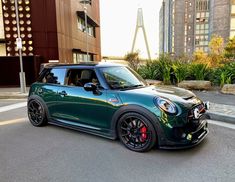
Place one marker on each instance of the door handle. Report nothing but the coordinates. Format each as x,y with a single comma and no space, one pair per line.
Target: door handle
62,93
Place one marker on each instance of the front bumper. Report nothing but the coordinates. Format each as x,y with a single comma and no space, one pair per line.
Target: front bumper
192,137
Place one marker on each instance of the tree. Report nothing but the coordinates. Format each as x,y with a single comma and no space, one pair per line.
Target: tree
230,49
133,59
200,57
216,46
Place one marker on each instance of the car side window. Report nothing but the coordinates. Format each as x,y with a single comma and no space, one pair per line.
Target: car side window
79,77
54,76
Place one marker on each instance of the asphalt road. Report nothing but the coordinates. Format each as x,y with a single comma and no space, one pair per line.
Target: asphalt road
46,154
216,97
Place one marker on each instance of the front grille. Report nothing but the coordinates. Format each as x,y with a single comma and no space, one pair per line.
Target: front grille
195,127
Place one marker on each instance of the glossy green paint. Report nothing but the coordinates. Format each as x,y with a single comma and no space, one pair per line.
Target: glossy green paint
79,105
144,97
95,110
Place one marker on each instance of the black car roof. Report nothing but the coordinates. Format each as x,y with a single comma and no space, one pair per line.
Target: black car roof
82,64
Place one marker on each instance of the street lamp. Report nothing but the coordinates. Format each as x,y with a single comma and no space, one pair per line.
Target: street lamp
85,2
19,46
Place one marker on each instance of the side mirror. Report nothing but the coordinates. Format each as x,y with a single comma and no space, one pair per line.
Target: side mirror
90,87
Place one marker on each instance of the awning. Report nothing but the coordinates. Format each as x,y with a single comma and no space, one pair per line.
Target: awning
81,14
82,52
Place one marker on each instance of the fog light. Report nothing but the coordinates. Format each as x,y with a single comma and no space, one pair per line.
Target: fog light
207,105
189,137
183,135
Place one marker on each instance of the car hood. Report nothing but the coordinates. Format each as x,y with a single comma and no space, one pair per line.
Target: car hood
173,93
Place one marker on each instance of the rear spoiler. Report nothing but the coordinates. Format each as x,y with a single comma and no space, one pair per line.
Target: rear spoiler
50,62
45,65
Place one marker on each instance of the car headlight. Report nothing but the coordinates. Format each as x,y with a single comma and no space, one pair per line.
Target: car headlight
166,105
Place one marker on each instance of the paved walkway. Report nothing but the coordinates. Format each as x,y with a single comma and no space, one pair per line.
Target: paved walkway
222,105
12,93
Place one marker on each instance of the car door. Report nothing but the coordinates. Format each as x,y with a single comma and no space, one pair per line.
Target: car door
78,106
48,89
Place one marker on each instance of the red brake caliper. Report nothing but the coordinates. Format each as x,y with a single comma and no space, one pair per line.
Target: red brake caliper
143,131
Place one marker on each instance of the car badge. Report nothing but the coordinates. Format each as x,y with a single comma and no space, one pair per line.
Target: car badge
113,100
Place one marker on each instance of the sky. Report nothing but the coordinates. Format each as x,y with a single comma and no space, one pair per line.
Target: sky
118,23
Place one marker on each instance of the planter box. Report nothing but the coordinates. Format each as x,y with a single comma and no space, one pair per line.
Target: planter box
195,85
154,82
228,89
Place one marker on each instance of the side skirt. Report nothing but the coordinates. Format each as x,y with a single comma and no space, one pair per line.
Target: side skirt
84,128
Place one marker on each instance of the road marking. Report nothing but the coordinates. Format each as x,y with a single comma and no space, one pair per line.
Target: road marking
218,123
13,106
13,121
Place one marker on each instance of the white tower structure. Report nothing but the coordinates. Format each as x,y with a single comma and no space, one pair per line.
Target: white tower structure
140,24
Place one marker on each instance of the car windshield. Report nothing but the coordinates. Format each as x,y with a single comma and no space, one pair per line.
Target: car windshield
122,78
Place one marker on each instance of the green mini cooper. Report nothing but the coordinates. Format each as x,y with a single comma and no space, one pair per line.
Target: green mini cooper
113,101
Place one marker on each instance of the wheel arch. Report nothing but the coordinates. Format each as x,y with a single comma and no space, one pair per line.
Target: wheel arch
36,97
140,110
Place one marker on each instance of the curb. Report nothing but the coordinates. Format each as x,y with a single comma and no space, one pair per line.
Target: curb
222,117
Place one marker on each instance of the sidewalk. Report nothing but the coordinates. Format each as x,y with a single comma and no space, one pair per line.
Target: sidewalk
222,105
12,93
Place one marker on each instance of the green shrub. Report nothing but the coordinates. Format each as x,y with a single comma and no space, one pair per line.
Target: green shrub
165,67
180,71
224,74
199,71
150,70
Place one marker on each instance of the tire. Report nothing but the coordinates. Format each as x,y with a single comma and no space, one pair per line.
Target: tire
136,132
36,113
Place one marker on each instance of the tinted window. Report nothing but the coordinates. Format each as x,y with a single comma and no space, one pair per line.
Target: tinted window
78,77
55,76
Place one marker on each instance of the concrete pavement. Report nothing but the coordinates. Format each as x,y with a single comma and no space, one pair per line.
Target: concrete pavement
12,93
222,105
55,154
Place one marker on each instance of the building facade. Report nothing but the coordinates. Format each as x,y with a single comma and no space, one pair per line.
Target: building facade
2,37
52,29
189,24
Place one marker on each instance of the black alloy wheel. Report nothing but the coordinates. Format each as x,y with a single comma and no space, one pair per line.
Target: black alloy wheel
36,113
136,132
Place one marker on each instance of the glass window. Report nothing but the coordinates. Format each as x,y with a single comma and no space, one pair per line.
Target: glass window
233,9
79,77
232,34
198,15
82,27
55,76
232,23
122,77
